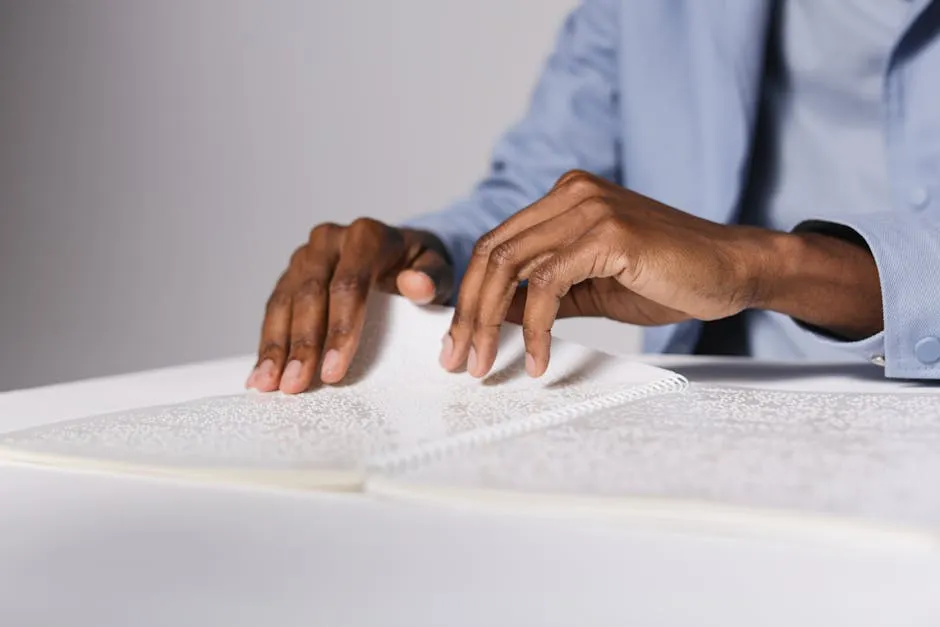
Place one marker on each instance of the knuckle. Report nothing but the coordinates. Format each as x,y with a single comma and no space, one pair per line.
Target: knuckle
485,245
566,178
366,225
278,300
304,344
372,235
459,319
579,182
323,232
297,257
482,326
271,350
504,255
464,322
339,330
531,334
311,289
349,284
543,278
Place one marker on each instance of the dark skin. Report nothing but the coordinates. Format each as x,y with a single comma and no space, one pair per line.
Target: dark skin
588,248
316,312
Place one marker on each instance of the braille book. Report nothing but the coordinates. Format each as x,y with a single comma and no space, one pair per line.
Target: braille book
597,436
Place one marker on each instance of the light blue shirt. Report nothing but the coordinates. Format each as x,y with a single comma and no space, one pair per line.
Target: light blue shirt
820,141
664,98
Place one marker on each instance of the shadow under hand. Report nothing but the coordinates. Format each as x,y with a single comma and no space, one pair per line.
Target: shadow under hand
510,335
512,370
376,337
515,365
583,371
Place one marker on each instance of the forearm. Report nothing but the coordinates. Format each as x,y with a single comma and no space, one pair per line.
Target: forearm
822,281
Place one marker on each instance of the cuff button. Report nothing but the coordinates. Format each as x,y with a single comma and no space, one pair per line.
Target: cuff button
927,350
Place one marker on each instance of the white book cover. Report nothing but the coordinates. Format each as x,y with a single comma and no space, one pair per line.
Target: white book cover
396,402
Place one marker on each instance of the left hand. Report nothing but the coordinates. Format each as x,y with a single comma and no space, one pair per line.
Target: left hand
592,248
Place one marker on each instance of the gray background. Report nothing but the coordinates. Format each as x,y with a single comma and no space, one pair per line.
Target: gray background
160,160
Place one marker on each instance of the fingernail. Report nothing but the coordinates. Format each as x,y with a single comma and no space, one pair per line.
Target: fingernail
472,362
260,374
425,298
330,364
266,370
530,365
291,374
447,350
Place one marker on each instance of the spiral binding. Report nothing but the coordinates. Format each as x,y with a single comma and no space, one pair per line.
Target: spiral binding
422,454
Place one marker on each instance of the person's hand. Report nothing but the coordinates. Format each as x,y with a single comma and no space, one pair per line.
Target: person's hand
317,308
591,248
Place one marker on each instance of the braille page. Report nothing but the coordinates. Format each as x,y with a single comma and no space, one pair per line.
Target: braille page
396,397
731,458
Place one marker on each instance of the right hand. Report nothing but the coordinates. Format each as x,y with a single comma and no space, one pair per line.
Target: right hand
317,308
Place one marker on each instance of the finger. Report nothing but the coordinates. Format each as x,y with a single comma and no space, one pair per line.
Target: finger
513,260
517,305
567,308
309,309
458,349
570,190
367,248
549,284
308,326
429,279
275,332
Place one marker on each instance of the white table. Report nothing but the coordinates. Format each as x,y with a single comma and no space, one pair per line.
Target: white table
97,550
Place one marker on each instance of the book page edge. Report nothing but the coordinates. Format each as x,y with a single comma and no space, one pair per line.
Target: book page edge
293,479
674,515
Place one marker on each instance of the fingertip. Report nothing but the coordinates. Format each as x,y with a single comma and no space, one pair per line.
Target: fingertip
475,365
332,370
535,368
531,367
292,379
264,378
447,352
416,286
250,382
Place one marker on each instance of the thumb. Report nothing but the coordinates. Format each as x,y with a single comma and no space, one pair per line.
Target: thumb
429,279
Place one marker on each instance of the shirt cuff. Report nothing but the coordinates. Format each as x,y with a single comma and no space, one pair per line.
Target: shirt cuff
906,249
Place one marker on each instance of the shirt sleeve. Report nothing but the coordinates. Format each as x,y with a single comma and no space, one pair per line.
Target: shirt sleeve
572,122
906,249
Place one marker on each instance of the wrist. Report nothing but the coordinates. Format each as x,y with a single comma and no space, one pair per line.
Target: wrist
774,267
764,258
819,280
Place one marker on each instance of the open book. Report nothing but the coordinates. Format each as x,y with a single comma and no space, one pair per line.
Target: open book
599,436
396,404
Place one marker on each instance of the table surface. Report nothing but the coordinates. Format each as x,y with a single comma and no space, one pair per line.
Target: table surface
97,549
